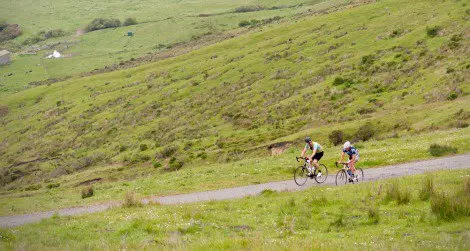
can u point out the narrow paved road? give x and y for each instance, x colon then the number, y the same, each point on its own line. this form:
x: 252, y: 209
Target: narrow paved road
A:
x: 447, y: 163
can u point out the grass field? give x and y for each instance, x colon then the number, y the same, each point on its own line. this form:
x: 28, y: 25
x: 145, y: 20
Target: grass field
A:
x: 417, y: 212
x: 167, y: 127
x: 161, y: 24
x: 116, y: 180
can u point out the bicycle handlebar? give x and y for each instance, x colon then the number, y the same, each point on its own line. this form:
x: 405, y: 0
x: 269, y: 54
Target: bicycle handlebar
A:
x: 342, y: 163
x: 297, y: 158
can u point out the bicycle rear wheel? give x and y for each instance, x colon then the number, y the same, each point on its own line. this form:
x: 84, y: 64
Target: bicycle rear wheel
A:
x: 341, y: 177
x: 360, y: 175
x: 300, y: 175
x: 321, y: 173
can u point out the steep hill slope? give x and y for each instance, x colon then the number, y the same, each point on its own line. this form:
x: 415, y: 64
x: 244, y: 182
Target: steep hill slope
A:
x: 392, y: 68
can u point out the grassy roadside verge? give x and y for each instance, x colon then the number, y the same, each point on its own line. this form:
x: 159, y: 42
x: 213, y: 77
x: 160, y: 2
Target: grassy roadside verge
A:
x: 368, y: 215
x: 215, y: 176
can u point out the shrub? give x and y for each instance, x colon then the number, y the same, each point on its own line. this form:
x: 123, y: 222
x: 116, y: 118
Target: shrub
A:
x: 33, y: 187
x: 168, y: 151
x: 466, y: 186
x: 175, y: 164
x: 9, y: 31
x: 439, y: 150
x: 129, y: 21
x: 102, y: 23
x: 338, y: 81
x: 3, y: 111
x: 53, y: 185
x: 452, y: 95
x: 143, y: 147
x: 432, y: 31
x: 54, y: 33
x: 427, y: 188
x: 43, y: 35
x: 244, y: 23
x: 336, y: 137
x: 130, y: 200
x: 138, y: 158
x: 368, y: 60
x: 394, y: 192
x: 365, y: 132
x: 87, y: 192
x: 455, y: 41
x: 156, y: 164
x: 373, y: 214
x: 249, y: 8
x: 450, y: 207
x: 338, y: 222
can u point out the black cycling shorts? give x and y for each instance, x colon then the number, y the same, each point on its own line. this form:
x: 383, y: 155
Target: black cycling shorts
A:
x: 318, y: 156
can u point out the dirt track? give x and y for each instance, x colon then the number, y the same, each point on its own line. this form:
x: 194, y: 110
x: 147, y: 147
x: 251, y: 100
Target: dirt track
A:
x: 454, y: 162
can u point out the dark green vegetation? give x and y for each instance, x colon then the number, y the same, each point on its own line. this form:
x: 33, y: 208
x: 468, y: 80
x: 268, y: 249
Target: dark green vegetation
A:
x: 362, y: 216
x: 223, y: 106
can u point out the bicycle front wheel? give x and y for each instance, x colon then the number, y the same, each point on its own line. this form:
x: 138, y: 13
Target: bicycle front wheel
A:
x: 300, y: 175
x: 341, y: 177
x: 321, y: 173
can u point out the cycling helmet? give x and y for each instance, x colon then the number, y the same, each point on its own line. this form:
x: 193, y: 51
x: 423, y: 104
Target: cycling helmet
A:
x: 308, y: 139
x: 347, y: 145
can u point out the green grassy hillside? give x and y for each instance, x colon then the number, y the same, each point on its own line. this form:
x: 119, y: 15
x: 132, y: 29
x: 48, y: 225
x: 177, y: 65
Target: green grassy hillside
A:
x: 161, y: 24
x: 419, y: 212
x: 388, y: 74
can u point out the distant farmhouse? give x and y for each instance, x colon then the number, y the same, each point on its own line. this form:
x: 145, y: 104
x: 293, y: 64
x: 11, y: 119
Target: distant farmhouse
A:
x: 5, y: 57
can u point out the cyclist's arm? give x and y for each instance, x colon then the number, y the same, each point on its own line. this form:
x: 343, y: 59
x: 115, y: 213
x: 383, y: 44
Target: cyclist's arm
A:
x: 342, y: 157
x: 303, y: 153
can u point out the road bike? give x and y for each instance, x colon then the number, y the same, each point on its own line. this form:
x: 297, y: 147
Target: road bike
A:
x: 344, y: 175
x: 301, y: 173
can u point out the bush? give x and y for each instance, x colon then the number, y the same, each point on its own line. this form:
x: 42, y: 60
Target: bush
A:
x: 373, y: 213
x: 438, y: 150
x: 455, y: 41
x: 130, y: 200
x: 368, y: 60
x: 365, y: 132
x: 54, y: 33
x: 450, y: 207
x: 432, y: 31
x: 3, y: 111
x: 452, y: 95
x: 244, y: 23
x: 9, y: 31
x: 168, y: 151
x: 395, y: 193
x: 156, y: 164
x: 427, y: 188
x: 53, y: 185
x: 338, y: 81
x: 129, y: 21
x: 336, y: 137
x: 43, y: 35
x: 249, y: 8
x: 87, y: 192
x: 33, y: 187
x: 102, y: 23
x: 175, y: 164
x: 143, y: 147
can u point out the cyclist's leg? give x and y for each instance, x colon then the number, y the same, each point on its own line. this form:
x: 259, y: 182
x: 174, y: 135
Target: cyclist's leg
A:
x: 317, y: 158
x: 351, y: 163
